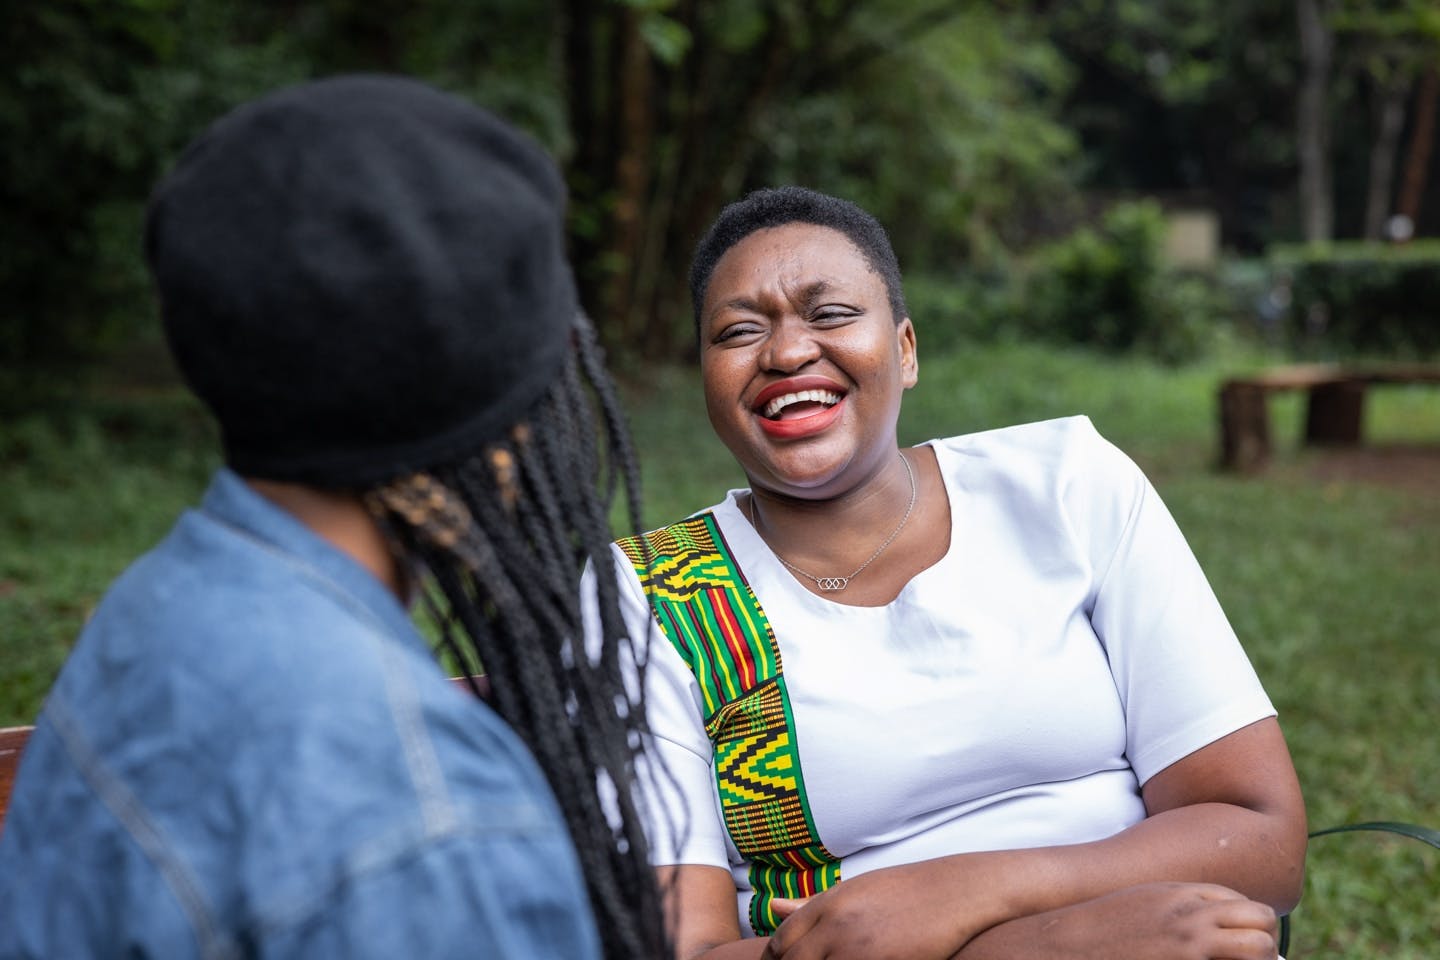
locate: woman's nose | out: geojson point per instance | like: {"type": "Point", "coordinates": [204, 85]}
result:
{"type": "Point", "coordinates": [790, 346]}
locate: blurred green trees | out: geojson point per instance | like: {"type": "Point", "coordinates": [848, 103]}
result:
{"type": "Point", "coordinates": [100, 94]}
{"type": "Point", "coordinates": [1106, 286]}
{"type": "Point", "coordinates": [975, 131]}
{"type": "Point", "coordinates": [939, 117]}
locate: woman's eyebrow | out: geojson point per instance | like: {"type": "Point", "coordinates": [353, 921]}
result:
{"type": "Point", "coordinates": [742, 304]}
{"type": "Point", "coordinates": [805, 298]}
{"type": "Point", "coordinates": [739, 303]}
{"type": "Point", "coordinates": [811, 292]}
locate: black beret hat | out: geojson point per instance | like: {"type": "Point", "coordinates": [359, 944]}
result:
{"type": "Point", "coordinates": [362, 276]}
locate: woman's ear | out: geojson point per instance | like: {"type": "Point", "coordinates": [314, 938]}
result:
{"type": "Point", "coordinates": [909, 358]}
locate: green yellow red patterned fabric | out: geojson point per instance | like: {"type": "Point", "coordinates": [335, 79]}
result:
{"type": "Point", "coordinates": [710, 615]}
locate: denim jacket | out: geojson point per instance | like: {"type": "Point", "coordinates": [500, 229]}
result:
{"type": "Point", "coordinates": [252, 753]}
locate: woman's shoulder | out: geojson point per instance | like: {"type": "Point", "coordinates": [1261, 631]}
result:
{"type": "Point", "coordinates": [1058, 439]}
{"type": "Point", "coordinates": [698, 517]}
{"type": "Point", "coordinates": [1048, 455]}
{"type": "Point", "coordinates": [701, 534]}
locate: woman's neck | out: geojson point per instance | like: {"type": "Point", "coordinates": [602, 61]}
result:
{"type": "Point", "coordinates": [340, 519]}
{"type": "Point", "coordinates": [876, 535]}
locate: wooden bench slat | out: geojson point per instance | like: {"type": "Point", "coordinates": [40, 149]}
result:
{"type": "Point", "coordinates": [12, 742]}
{"type": "Point", "coordinates": [1335, 407]}
{"type": "Point", "coordinates": [1407, 373]}
{"type": "Point", "coordinates": [1295, 377]}
{"type": "Point", "coordinates": [482, 683]}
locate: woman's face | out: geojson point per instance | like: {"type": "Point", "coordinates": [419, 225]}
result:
{"type": "Point", "coordinates": [803, 362]}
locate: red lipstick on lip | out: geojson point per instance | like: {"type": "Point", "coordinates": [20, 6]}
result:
{"type": "Point", "coordinates": [801, 426]}
{"type": "Point", "coordinates": [794, 385]}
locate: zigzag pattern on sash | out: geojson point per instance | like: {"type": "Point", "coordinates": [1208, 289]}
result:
{"type": "Point", "coordinates": [763, 709]}
{"type": "Point", "coordinates": [706, 608]}
{"type": "Point", "coordinates": [684, 561]}
{"type": "Point", "coordinates": [711, 617]}
{"type": "Point", "coordinates": [754, 759]}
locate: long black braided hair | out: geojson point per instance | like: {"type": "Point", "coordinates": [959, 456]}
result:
{"type": "Point", "coordinates": [499, 540]}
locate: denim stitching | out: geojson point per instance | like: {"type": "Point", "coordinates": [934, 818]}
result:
{"type": "Point", "coordinates": [436, 810]}
{"type": "Point", "coordinates": [147, 835]}
{"type": "Point", "coordinates": [425, 776]}
{"type": "Point", "coordinates": [287, 912]}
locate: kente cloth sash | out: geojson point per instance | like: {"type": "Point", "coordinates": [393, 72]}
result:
{"type": "Point", "coordinates": [707, 610]}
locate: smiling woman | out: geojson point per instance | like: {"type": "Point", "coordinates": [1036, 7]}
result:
{"type": "Point", "coordinates": [801, 353]}
{"type": "Point", "coordinates": [971, 698]}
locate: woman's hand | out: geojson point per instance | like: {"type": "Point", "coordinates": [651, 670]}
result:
{"type": "Point", "coordinates": [1229, 814]}
{"type": "Point", "coordinates": [1153, 921]}
{"type": "Point", "coordinates": [898, 913]}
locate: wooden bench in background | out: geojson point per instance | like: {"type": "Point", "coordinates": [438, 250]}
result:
{"type": "Point", "coordinates": [1334, 409]}
{"type": "Point", "coordinates": [12, 741]}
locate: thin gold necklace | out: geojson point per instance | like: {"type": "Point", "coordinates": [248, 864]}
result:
{"type": "Point", "coordinates": [834, 584]}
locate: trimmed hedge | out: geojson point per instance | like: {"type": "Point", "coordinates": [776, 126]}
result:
{"type": "Point", "coordinates": [1363, 298]}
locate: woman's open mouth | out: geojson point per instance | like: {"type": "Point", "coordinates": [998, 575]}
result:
{"type": "Point", "coordinates": [795, 408]}
{"type": "Point", "coordinates": [804, 403]}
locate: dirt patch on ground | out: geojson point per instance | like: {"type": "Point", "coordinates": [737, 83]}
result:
{"type": "Point", "coordinates": [1411, 468]}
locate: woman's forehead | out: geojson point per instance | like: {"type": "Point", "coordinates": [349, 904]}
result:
{"type": "Point", "coordinates": [803, 252]}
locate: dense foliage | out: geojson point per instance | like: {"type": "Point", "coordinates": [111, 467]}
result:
{"type": "Point", "coordinates": [1106, 286]}
{"type": "Point", "coordinates": [977, 132]}
{"type": "Point", "coordinates": [1362, 298]}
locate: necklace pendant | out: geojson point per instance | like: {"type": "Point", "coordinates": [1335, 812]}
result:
{"type": "Point", "coordinates": [832, 584]}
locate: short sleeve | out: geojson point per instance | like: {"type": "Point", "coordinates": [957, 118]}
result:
{"type": "Point", "coordinates": [675, 781]}
{"type": "Point", "coordinates": [1181, 672]}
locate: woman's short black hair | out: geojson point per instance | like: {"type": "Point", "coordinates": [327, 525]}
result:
{"type": "Point", "coordinates": [777, 206]}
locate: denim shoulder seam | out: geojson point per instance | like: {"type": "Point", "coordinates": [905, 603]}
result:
{"type": "Point", "coordinates": [123, 805]}
{"type": "Point", "coordinates": [436, 809]}
{"type": "Point", "coordinates": [288, 911]}
{"type": "Point", "coordinates": [303, 569]}
{"type": "Point", "coordinates": [420, 759]}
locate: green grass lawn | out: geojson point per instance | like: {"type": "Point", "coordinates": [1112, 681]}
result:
{"type": "Point", "coordinates": [1333, 585]}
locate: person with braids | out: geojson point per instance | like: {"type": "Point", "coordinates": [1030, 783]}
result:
{"type": "Point", "coordinates": [970, 699]}
{"type": "Point", "coordinates": [251, 750]}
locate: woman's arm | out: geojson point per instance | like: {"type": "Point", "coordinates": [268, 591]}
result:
{"type": "Point", "coordinates": [1153, 921]}
{"type": "Point", "coordinates": [1229, 814]}
{"type": "Point", "coordinates": [700, 906]}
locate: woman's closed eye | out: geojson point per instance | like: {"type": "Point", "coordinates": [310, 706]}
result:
{"type": "Point", "coordinates": [736, 331]}
{"type": "Point", "coordinates": [834, 314]}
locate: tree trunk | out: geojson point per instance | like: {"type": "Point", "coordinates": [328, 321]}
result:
{"type": "Point", "coordinates": [661, 147]}
{"type": "Point", "coordinates": [1317, 203]}
{"type": "Point", "coordinates": [708, 138]}
{"type": "Point", "coordinates": [586, 102]}
{"type": "Point", "coordinates": [632, 178]}
{"type": "Point", "coordinates": [1389, 106]}
{"type": "Point", "coordinates": [1422, 140]}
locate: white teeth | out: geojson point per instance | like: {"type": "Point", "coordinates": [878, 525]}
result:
{"type": "Point", "coordinates": [827, 397]}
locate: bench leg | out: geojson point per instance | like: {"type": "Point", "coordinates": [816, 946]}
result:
{"type": "Point", "coordinates": [1244, 426]}
{"type": "Point", "coordinates": [1335, 413]}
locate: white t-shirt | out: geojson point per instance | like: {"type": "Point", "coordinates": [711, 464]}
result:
{"type": "Point", "coordinates": [1015, 694]}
